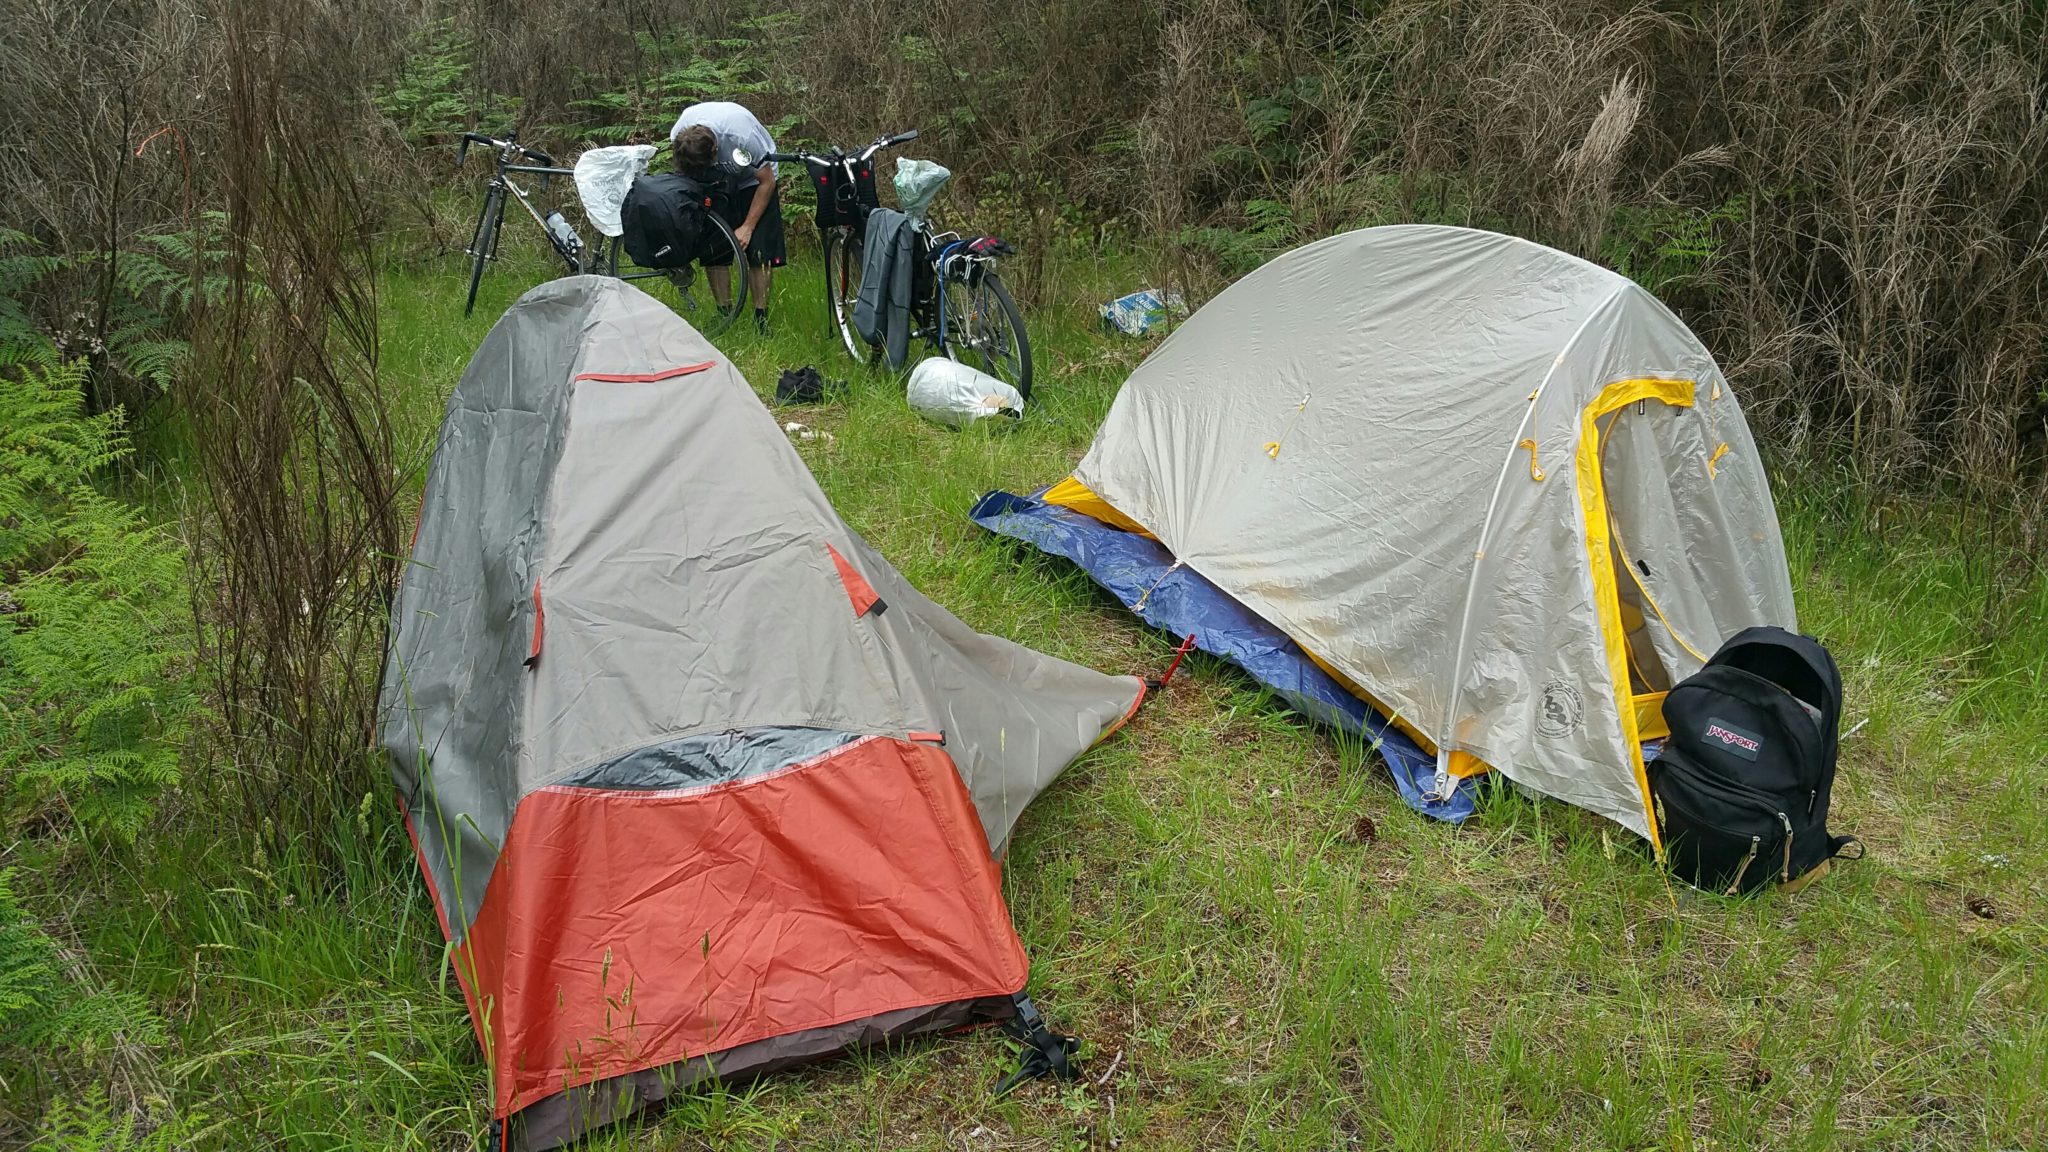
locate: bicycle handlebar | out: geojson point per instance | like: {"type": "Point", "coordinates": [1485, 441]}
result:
{"type": "Point", "coordinates": [804, 156]}
{"type": "Point", "coordinates": [509, 143]}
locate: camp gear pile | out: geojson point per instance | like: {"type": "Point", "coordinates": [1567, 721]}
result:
{"type": "Point", "coordinates": [1744, 780]}
{"type": "Point", "coordinates": [1491, 499]}
{"type": "Point", "coordinates": [700, 785]}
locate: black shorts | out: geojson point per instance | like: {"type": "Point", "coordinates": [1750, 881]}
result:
{"type": "Point", "coordinates": [767, 249]}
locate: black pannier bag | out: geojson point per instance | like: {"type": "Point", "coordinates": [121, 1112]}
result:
{"type": "Point", "coordinates": [844, 199]}
{"type": "Point", "coordinates": [1743, 782]}
{"type": "Point", "coordinates": [665, 219]}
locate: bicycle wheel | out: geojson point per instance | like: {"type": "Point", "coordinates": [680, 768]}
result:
{"type": "Point", "coordinates": [843, 254]}
{"type": "Point", "coordinates": [483, 243]}
{"type": "Point", "coordinates": [984, 330]}
{"type": "Point", "coordinates": [722, 250]}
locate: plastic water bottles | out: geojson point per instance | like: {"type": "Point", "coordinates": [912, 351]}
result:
{"type": "Point", "coordinates": [565, 236]}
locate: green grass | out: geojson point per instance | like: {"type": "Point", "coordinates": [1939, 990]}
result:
{"type": "Point", "coordinates": [1261, 946]}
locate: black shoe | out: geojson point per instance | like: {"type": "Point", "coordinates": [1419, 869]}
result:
{"type": "Point", "coordinates": [802, 386]}
{"type": "Point", "coordinates": [761, 321]}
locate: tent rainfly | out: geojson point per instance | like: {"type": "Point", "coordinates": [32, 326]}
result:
{"type": "Point", "coordinates": [700, 785]}
{"type": "Point", "coordinates": [1479, 498]}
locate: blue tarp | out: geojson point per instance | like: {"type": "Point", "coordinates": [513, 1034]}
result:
{"type": "Point", "coordinates": [1142, 573]}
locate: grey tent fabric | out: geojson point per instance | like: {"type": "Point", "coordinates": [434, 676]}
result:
{"type": "Point", "coordinates": [1449, 463]}
{"type": "Point", "coordinates": [660, 489]}
{"type": "Point", "coordinates": [569, 1115]}
{"type": "Point", "coordinates": [661, 722]}
{"type": "Point", "coordinates": [882, 313]}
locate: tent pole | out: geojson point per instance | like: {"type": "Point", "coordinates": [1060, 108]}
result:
{"type": "Point", "coordinates": [1460, 651]}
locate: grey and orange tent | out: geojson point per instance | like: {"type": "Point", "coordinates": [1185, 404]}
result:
{"type": "Point", "coordinates": [700, 785]}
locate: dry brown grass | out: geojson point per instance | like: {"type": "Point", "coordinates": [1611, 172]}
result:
{"type": "Point", "coordinates": [295, 524]}
{"type": "Point", "coordinates": [1846, 198]}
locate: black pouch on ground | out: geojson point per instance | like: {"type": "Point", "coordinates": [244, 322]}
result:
{"type": "Point", "coordinates": [1743, 782]}
{"type": "Point", "coordinates": [803, 386]}
{"type": "Point", "coordinates": [663, 217]}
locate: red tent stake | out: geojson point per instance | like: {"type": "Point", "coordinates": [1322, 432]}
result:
{"type": "Point", "coordinates": [1186, 647]}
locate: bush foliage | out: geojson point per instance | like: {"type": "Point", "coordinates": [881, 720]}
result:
{"type": "Point", "coordinates": [1843, 197]}
{"type": "Point", "coordinates": [95, 624]}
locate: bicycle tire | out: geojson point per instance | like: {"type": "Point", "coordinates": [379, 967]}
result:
{"type": "Point", "coordinates": [1001, 349]}
{"type": "Point", "coordinates": [844, 252]}
{"type": "Point", "coordinates": [483, 243]}
{"type": "Point", "coordinates": [725, 243]}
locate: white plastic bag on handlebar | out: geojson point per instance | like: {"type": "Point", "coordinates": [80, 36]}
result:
{"type": "Point", "coordinates": [956, 395]}
{"type": "Point", "coordinates": [917, 184]}
{"type": "Point", "coordinates": [602, 177]}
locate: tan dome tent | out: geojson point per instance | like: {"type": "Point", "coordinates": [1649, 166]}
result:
{"type": "Point", "coordinates": [1500, 494]}
{"type": "Point", "coordinates": [700, 785]}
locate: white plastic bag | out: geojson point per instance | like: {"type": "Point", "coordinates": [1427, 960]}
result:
{"type": "Point", "coordinates": [918, 183]}
{"type": "Point", "coordinates": [955, 395]}
{"type": "Point", "coordinates": [602, 177]}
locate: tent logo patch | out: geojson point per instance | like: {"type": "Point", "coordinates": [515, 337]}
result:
{"type": "Point", "coordinates": [1562, 711]}
{"type": "Point", "coordinates": [1732, 739]}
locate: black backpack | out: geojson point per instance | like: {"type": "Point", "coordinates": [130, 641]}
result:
{"type": "Point", "coordinates": [664, 219]}
{"type": "Point", "coordinates": [1742, 784]}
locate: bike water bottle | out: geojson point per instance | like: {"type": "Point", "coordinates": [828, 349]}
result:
{"type": "Point", "coordinates": [564, 235]}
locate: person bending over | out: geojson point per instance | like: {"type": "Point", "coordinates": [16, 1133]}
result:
{"type": "Point", "coordinates": [703, 141]}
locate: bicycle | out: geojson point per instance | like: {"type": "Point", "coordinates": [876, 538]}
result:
{"type": "Point", "coordinates": [959, 303]}
{"type": "Point", "coordinates": [602, 258]}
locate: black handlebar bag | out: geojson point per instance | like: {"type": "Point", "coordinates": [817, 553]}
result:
{"type": "Point", "coordinates": [665, 219]}
{"type": "Point", "coordinates": [845, 199]}
{"type": "Point", "coordinates": [1742, 784]}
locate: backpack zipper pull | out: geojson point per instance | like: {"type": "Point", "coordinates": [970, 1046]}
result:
{"type": "Point", "coordinates": [1785, 872]}
{"type": "Point", "coordinates": [1756, 844]}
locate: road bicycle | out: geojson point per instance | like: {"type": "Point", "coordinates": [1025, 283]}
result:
{"type": "Point", "coordinates": [601, 258]}
{"type": "Point", "coordinates": [959, 303]}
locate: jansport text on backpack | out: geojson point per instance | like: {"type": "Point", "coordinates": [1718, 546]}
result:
{"type": "Point", "coordinates": [664, 219]}
{"type": "Point", "coordinates": [1742, 784]}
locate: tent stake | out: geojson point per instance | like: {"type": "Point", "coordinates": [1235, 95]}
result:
{"type": "Point", "coordinates": [1186, 646]}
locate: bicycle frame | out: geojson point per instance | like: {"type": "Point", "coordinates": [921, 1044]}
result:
{"type": "Point", "coordinates": [504, 180]}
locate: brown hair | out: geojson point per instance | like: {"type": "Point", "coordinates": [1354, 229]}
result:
{"type": "Point", "coordinates": [695, 147]}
